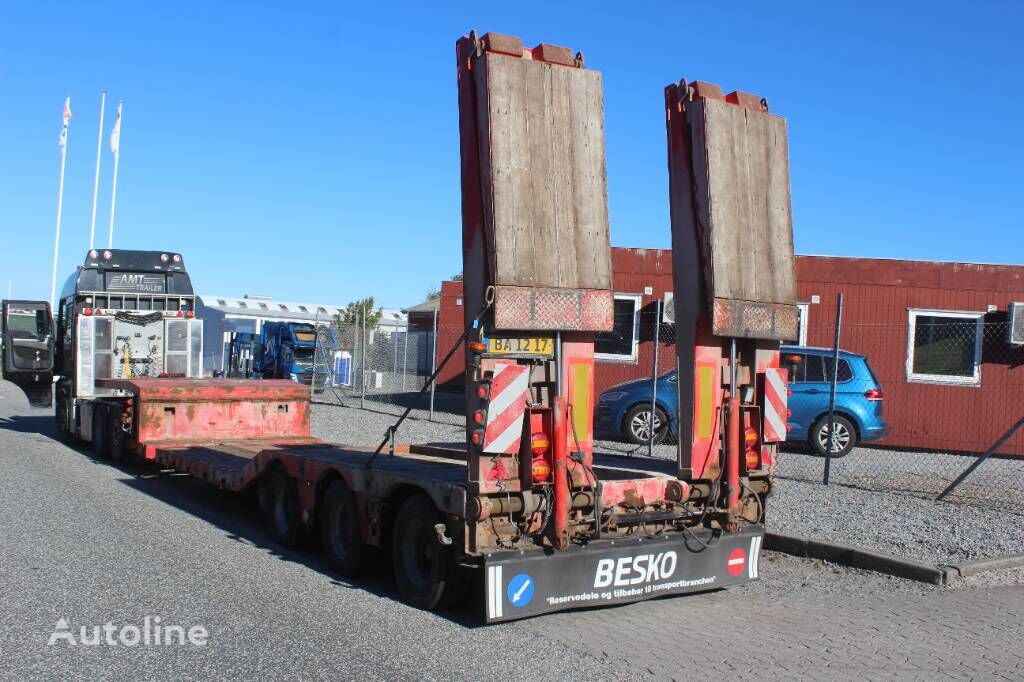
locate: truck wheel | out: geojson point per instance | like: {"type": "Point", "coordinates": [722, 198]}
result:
{"type": "Point", "coordinates": [280, 501]}
{"type": "Point", "coordinates": [844, 439]}
{"type": "Point", "coordinates": [637, 424]}
{"type": "Point", "coordinates": [118, 437]}
{"type": "Point", "coordinates": [424, 568]}
{"type": "Point", "coordinates": [62, 414]}
{"type": "Point", "coordinates": [339, 531]}
{"type": "Point", "coordinates": [100, 445]}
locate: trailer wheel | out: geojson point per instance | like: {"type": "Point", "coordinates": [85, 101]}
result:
{"type": "Point", "coordinates": [280, 502]}
{"type": "Point", "coordinates": [100, 444]}
{"type": "Point", "coordinates": [339, 531]}
{"type": "Point", "coordinates": [424, 568]}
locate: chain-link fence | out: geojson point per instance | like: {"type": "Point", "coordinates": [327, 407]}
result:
{"type": "Point", "coordinates": [918, 399]}
{"type": "Point", "coordinates": [357, 365]}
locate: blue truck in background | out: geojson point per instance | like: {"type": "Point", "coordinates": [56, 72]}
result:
{"type": "Point", "coordinates": [282, 350]}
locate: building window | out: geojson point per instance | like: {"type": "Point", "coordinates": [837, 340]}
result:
{"type": "Point", "coordinates": [944, 347]}
{"type": "Point", "coordinates": [620, 344]}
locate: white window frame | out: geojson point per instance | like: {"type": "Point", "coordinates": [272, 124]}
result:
{"type": "Point", "coordinates": [916, 378]}
{"type": "Point", "coordinates": [805, 310]}
{"type": "Point", "coordinates": [630, 359]}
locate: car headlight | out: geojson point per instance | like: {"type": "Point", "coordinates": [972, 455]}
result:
{"type": "Point", "coordinates": [293, 376]}
{"type": "Point", "coordinates": [612, 396]}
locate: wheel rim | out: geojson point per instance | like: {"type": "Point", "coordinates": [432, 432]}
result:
{"type": "Point", "coordinates": [280, 512]}
{"type": "Point", "coordinates": [640, 424]}
{"type": "Point", "coordinates": [417, 556]}
{"type": "Point", "coordinates": [336, 523]}
{"type": "Point", "coordinates": [840, 437]}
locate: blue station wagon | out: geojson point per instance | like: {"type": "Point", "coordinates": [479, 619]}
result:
{"type": "Point", "coordinates": [625, 410]}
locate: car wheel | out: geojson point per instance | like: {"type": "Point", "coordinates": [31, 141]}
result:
{"type": "Point", "coordinates": [843, 440]}
{"type": "Point", "coordinates": [637, 424]}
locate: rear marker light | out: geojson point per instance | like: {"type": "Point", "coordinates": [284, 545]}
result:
{"type": "Point", "coordinates": [477, 347]}
{"type": "Point", "coordinates": [87, 311]}
{"type": "Point", "coordinates": [478, 416]}
{"type": "Point", "coordinates": [477, 437]}
{"type": "Point", "coordinates": [181, 314]}
{"type": "Point", "coordinates": [483, 391]}
{"type": "Point", "coordinates": [190, 314]}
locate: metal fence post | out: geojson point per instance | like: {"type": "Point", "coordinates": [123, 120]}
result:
{"type": "Point", "coordinates": [654, 378]}
{"type": "Point", "coordinates": [405, 355]}
{"type": "Point", "coordinates": [361, 328]}
{"type": "Point", "coordinates": [832, 389]}
{"type": "Point", "coordinates": [433, 364]}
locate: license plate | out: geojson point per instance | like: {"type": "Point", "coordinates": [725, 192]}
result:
{"type": "Point", "coordinates": [522, 345]}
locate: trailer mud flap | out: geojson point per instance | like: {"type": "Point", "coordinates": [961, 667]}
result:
{"type": "Point", "coordinates": [606, 572]}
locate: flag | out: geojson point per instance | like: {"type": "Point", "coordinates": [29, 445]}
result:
{"type": "Point", "coordinates": [115, 134]}
{"type": "Point", "coordinates": [67, 118]}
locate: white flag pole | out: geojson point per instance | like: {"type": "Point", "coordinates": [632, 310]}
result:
{"type": "Point", "coordinates": [60, 198]}
{"type": "Point", "coordinates": [96, 182]}
{"type": "Point", "coordinates": [115, 146]}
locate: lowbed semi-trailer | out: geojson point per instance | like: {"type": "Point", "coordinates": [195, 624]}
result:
{"type": "Point", "coordinates": [525, 505]}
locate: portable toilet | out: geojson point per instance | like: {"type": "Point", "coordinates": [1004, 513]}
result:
{"type": "Point", "coordinates": [342, 368]}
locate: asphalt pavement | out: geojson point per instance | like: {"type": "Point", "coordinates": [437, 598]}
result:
{"type": "Point", "coordinates": [89, 543]}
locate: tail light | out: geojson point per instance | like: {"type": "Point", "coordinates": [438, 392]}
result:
{"type": "Point", "coordinates": [541, 467]}
{"type": "Point", "coordinates": [752, 441]}
{"type": "Point", "coordinates": [873, 394]}
{"type": "Point", "coordinates": [87, 311]}
{"type": "Point", "coordinates": [477, 437]}
{"type": "Point", "coordinates": [478, 416]}
{"type": "Point", "coordinates": [190, 314]}
{"type": "Point", "coordinates": [483, 391]}
{"type": "Point", "coordinates": [181, 313]}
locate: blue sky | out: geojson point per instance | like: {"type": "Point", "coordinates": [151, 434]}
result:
{"type": "Point", "coordinates": [310, 151]}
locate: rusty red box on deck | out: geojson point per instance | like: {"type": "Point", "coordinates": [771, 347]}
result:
{"type": "Point", "coordinates": [202, 410]}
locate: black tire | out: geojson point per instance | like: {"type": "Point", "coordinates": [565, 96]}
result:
{"type": "Point", "coordinates": [100, 429]}
{"type": "Point", "coordinates": [424, 568]}
{"type": "Point", "coordinates": [279, 498]}
{"type": "Point", "coordinates": [339, 531]}
{"type": "Point", "coordinates": [117, 437]}
{"type": "Point", "coordinates": [61, 413]}
{"type": "Point", "coordinates": [845, 438]}
{"type": "Point", "coordinates": [636, 424]}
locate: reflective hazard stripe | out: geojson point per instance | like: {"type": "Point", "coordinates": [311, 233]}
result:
{"type": "Point", "coordinates": [495, 603]}
{"type": "Point", "coordinates": [774, 405]}
{"type": "Point", "coordinates": [755, 552]}
{"type": "Point", "coordinates": [509, 391]}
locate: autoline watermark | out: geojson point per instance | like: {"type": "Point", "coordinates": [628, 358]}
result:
{"type": "Point", "coordinates": [150, 633]}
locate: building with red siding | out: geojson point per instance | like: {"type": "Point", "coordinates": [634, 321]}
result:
{"type": "Point", "coordinates": [934, 333]}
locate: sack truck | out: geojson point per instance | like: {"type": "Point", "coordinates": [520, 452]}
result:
{"type": "Point", "coordinates": [525, 513]}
